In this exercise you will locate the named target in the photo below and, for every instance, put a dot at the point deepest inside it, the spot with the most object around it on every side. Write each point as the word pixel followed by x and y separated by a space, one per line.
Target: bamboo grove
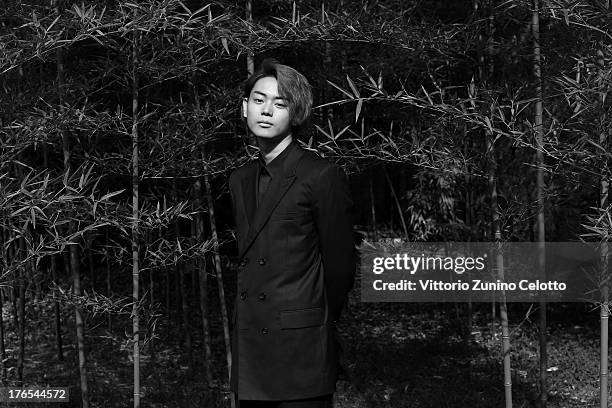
pixel 460 121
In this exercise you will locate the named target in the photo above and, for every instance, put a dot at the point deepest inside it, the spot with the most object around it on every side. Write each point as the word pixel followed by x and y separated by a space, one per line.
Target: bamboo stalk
pixel 199 232
pixel 181 294
pixel 135 225
pixel 503 310
pixel 151 299
pixel 250 55
pixel 541 225
pixel 167 300
pixel 21 312
pixel 372 203
pixel 90 262
pixel 75 265
pixel 57 309
pixel 503 313
pixel 5 261
pixel 604 313
pixel 108 281
pixel 203 283
pixel 2 346
pixel 185 315
pixel 604 316
pixel 74 248
pixel 397 203
pixel 219 272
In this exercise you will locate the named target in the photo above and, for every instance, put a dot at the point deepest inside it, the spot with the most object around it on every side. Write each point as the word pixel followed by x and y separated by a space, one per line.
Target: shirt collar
pixel 276 165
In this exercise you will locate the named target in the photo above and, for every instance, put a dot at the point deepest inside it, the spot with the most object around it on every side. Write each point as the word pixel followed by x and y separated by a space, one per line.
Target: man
pixel 296 250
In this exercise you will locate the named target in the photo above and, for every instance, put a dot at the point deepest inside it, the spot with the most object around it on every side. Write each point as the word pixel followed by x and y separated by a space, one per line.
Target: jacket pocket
pixel 290 213
pixel 297 319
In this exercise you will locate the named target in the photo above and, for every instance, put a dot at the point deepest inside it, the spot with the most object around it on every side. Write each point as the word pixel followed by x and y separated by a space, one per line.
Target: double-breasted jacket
pixel 296 267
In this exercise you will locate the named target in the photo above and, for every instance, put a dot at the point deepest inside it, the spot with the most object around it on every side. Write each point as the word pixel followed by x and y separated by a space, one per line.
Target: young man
pixel 296 250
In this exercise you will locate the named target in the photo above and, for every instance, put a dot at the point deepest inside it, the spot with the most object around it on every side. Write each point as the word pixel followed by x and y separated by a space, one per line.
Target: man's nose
pixel 266 109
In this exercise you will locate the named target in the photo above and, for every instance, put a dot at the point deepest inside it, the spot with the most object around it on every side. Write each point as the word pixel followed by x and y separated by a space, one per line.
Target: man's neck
pixel 269 149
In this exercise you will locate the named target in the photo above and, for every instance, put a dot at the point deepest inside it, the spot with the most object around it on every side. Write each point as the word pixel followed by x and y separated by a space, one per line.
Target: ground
pixel 395 355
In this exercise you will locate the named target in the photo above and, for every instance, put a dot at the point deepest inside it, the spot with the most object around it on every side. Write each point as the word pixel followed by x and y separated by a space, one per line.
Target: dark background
pixel 430 107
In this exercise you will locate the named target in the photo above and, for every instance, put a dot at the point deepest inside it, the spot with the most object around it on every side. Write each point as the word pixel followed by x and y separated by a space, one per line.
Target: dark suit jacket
pixel 296 267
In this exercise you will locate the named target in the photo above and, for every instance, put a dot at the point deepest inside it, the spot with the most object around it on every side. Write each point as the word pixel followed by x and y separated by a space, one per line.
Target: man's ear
pixel 244 107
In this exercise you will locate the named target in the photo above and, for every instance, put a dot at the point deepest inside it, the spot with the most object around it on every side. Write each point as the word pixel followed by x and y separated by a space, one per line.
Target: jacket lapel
pixel 248 194
pixel 276 191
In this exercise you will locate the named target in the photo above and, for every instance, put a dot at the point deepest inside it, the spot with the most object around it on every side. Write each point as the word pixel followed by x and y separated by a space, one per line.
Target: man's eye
pixel 281 105
pixel 258 100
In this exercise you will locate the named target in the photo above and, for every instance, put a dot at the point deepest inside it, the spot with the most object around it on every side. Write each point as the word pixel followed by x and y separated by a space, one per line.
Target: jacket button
pixel 244 261
pixel 262 296
pixel 262 261
pixel 264 330
pixel 243 295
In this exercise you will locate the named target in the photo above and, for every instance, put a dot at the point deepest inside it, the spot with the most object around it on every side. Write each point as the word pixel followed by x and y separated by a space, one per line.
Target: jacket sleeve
pixel 333 218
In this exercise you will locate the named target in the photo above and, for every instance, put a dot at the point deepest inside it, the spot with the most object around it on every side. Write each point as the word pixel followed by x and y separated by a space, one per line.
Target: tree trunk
pixel 168 306
pixel 604 184
pixel 250 55
pixel 21 311
pixel 5 261
pixel 57 309
pixel 203 282
pixel 219 272
pixel 181 294
pixel 2 346
pixel 469 209
pixel 539 133
pixel 135 222
pixel 503 311
pixel 397 203
pixel 74 248
pixel 199 232
pixel 373 204
pixel 75 266
pixel 496 228
pixel 92 273
pixel 108 281
pixel 185 314
pixel 151 301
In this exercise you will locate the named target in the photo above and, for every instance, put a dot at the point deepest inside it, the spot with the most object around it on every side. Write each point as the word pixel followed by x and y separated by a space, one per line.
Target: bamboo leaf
pixel 184 7
pixel 596 145
pixel 341 90
pixel 369 76
pixel 18 211
pixel 78 11
pixel 52 24
pixel 225 45
pixel 322 131
pixel 358 109
pixel 488 123
pixel 106 196
pixel 427 95
pixel 342 131
pixel 353 87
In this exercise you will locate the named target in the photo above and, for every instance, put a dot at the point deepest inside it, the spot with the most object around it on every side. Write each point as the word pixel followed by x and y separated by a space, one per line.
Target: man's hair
pixel 292 85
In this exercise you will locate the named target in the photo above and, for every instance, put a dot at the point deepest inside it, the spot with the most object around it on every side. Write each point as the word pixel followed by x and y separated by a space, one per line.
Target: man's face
pixel 267 112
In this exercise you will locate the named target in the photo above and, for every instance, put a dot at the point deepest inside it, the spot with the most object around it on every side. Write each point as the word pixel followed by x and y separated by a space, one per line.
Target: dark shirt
pixel 271 170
